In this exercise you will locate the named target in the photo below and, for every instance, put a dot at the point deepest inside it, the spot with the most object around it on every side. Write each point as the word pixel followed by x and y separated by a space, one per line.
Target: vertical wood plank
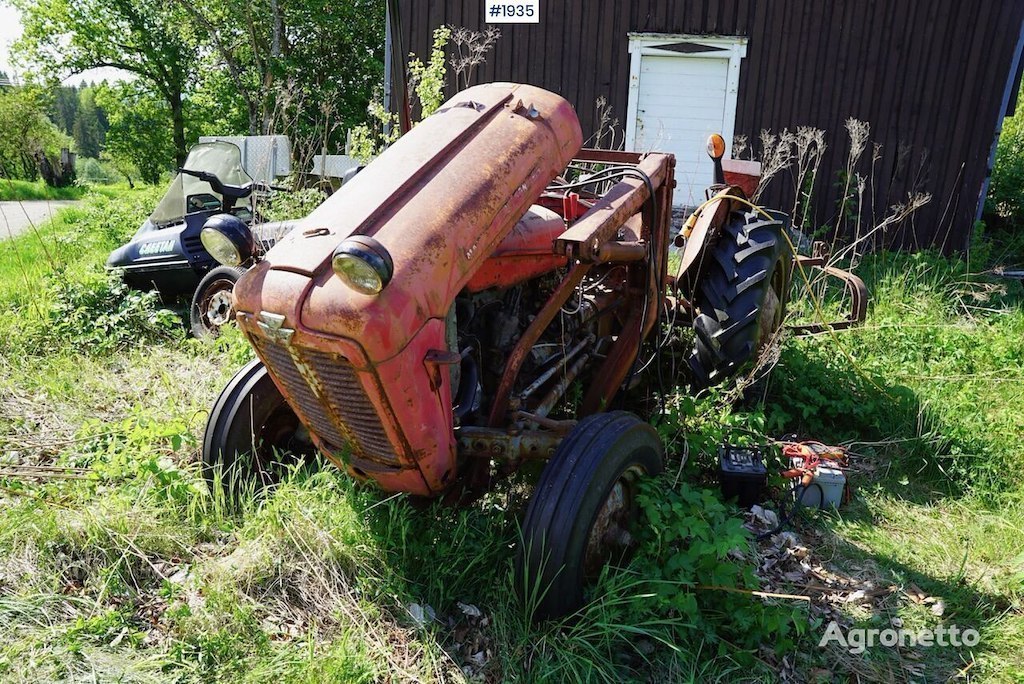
pixel 928 74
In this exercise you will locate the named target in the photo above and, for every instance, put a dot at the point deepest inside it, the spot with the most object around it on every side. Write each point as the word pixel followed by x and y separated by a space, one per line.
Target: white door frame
pixel 734 48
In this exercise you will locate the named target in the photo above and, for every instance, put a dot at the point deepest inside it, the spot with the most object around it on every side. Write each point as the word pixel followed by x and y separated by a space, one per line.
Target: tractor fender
pixel 708 226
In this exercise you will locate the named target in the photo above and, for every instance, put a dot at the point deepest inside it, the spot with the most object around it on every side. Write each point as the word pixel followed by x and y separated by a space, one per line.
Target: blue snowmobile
pixel 167 253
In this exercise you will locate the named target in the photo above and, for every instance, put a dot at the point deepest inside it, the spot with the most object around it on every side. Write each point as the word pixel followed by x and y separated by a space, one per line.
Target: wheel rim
pixel 770 317
pixel 281 432
pixel 609 535
pixel 253 437
pixel 216 307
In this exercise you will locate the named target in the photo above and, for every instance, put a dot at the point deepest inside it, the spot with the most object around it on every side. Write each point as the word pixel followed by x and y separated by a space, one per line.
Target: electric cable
pixel 798 505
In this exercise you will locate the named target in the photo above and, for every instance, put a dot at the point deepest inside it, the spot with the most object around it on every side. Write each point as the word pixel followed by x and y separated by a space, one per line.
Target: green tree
pixel 340 58
pixel 26 133
pixel 86 130
pixel 214 106
pixel 65 107
pixel 138 142
pixel 149 38
pixel 306 68
pixel 427 82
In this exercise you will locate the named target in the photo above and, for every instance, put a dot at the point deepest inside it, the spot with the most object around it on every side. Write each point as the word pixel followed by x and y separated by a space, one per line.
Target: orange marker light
pixel 716 146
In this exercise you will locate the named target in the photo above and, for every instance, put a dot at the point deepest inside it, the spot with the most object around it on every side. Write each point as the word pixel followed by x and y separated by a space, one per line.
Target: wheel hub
pixel 610 532
pixel 769 312
pixel 218 310
pixel 770 318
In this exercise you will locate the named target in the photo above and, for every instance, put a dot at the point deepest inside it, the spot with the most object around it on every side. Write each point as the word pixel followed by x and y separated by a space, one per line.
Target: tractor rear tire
pixel 252 435
pixel 580 516
pixel 212 307
pixel 741 299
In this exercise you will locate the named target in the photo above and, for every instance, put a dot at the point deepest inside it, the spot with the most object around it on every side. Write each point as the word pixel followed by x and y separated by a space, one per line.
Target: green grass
pixel 14 190
pixel 929 393
pixel 24 191
pixel 76 241
pixel 137 573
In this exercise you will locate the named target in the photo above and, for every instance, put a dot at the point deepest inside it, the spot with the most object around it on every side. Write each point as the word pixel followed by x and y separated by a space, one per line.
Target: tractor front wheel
pixel 583 509
pixel 252 435
pixel 741 299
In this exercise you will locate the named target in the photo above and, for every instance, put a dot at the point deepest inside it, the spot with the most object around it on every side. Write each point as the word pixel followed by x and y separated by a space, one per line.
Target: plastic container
pixel 832 482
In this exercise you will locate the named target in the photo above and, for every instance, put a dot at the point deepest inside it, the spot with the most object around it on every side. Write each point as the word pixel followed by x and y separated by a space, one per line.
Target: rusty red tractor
pixel 477 298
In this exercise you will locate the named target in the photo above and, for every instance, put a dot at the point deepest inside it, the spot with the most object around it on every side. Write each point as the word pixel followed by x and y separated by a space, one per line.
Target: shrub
pixel 139 447
pixel 91 170
pixel 427 85
pixel 1006 192
pixel 26 134
pixel 100 314
pixel 285 206
pixel 696 559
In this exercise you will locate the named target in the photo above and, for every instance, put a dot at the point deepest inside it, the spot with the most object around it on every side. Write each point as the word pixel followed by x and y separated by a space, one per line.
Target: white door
pixel 681 103
pixel 678 99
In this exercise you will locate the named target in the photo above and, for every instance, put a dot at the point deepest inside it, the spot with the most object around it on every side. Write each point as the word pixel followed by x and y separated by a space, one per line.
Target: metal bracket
pixel 856 288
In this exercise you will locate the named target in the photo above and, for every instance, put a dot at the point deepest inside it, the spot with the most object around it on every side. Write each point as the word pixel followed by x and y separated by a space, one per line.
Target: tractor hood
pixel 440 201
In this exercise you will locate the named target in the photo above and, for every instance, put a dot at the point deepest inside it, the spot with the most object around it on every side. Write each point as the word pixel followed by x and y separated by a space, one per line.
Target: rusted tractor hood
pixel 440 200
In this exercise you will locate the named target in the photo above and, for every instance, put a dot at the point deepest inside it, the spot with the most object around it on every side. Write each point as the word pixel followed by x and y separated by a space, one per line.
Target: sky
pixel 10 31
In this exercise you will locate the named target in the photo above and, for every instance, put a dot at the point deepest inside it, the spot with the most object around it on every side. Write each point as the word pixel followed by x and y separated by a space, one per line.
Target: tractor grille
pixel 346 393
pixel 338 411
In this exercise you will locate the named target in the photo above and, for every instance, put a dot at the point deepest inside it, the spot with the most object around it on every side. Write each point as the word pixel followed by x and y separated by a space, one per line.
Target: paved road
pixel 17 217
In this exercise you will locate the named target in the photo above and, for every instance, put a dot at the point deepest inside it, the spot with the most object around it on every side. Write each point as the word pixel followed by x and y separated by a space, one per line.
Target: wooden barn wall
pixel 928 76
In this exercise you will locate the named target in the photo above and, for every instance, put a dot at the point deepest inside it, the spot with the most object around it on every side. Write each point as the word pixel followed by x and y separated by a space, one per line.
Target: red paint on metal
pixel 442 200
pixel 529 338
pixel 525 253
pixel 742 173
pixel 571 208
pixel 709 224
pixel 616 367
pixel 599 225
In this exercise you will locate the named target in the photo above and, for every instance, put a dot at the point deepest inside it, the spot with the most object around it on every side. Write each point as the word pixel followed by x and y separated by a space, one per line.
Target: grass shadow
pixel 920 599
pixel 893 438
pixel 923 394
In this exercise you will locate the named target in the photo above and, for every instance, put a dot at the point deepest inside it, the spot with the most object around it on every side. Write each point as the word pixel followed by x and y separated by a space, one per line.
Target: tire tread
pixel 731 293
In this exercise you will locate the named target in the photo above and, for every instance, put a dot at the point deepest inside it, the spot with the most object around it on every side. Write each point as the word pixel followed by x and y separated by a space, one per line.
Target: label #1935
pixel 512 11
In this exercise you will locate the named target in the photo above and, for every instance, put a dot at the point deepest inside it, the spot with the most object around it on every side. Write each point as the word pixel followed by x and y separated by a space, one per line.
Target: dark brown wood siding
pixel 929 77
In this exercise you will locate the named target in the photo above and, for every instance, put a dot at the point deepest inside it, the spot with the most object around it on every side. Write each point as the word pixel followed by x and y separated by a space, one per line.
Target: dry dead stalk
pixel 471 48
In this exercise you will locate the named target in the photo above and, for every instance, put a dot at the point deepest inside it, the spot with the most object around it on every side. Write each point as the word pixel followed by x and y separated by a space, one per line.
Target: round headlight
pixel 228 239
pixel 220 247
pixel 363 264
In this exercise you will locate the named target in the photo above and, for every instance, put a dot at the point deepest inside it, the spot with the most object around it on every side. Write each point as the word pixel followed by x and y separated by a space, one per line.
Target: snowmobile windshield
pixel 187 194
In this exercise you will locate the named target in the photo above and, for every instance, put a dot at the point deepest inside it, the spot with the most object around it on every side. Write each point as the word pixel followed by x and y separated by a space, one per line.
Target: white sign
pixel 156 247
pixel 512 11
